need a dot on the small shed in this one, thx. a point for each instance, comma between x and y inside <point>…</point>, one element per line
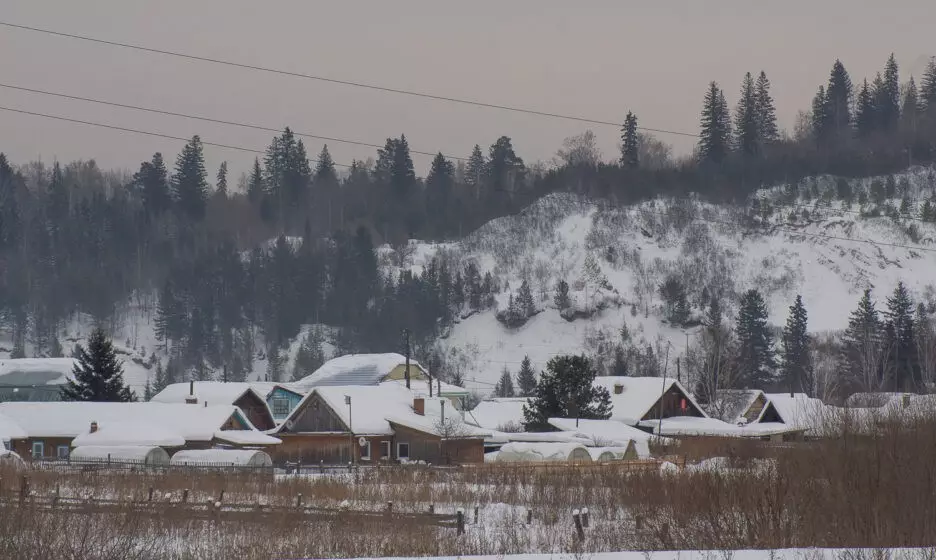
<point>146,455</point>
<point>222,458</point>
<point>543,452</point>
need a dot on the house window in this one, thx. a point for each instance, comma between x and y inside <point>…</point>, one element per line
<point>38,449</point>
<point>385,450</point>
<point>402,451</point>
<point>365,451</point>
<point>280,407</point>
<point>61,452</point>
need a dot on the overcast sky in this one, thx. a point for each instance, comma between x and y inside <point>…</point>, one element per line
<point>594,58</point>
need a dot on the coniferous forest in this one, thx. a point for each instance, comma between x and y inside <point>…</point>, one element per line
<point>232,267</point>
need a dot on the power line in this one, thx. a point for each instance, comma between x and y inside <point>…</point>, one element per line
<point>137,131</point>
<point>209,119</point>
<point>373,87</point>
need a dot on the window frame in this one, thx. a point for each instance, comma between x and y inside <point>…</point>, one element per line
<point>40,445</point>
<point>385,448</point>
<point>58,452</point>
<point>280,401</point>
<point>366,451</point>
<point>399,446</point>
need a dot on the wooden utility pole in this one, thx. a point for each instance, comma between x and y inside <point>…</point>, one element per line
<point>406,345</point>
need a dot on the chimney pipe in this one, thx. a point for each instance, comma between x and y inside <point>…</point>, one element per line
<point>94,426</point>
<point>618,388</point>
<point>419,406</point>
<point>191,387</point>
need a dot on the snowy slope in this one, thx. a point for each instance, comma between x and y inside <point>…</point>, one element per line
<point>713,249</point>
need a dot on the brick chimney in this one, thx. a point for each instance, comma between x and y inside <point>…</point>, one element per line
<point>191,398</point>
<point>618,388</point>
<point>94,426</point>
<point>419,406</point>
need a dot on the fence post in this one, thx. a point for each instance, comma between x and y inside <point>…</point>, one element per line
<point>24,488</point>
<point>322,466</point>
<point>476,515</point>
<point>150,499</point>
<point>431,509</point>
<point>389,507</point>
<point>299,500</point>
<point>55,499</point>
<point>585,517</point>
<point>577,521</point>
<point>529,516</point>
<point>221,496</point>
<point>460,521</point>
<point>185,496</point>
<point>638,522</point>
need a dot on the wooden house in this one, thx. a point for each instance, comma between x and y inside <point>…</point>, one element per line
<point>744,406</point>
<point>635,399</point>
<point>242,395</point>
<point>377,423</point>
<point>48,430</point>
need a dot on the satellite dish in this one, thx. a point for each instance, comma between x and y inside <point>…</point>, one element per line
<point>362,441</point>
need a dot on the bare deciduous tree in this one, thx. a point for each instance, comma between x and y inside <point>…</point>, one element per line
<point>581,149</point>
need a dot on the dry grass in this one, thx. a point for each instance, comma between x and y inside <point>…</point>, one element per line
<point>874,488</point>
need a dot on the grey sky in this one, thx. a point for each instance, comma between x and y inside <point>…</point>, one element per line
<point>594,58</point>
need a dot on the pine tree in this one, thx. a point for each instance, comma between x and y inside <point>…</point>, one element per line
<point>865,118</point>
<point>505,169</point>
<point>747,132</point>
<point>255,187</point>
<point>674,298</point>
<point>899,331</point>
<point>821,122</point>
<point>838,100</point>
<point>619,368</point>
<point>715,136</point>
<point>766,112</point>
<point>526,378</point>
<point>190,182</point>
<point>325,173</point>
<point>310,356</point>
<point>927,213</point>
<point>910,112</point>
<point>475,171</point>
<point>630,148</point>
<point>561,297</point>
<point>504,387</point>
<point>402,173</point>
<point>525,302</point>
<point>888,97</point>
<point>98,375</point>
<point>797,367</point>
<point>566,390</point>
<point>756,356</point>
<point>928,88</point>
<point>221,184</point>
<point>153,183</point>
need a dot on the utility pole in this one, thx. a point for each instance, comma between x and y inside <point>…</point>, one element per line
<point>663,391</point>
<point>407,349</point>
<point>347,400</point>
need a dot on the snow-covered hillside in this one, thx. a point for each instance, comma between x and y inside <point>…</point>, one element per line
<point>807,243</point>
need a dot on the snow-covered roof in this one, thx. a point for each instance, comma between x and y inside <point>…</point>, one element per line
<point>211,392</point>
<point>421,387</point>
<point>691,426</point>
<point>638,395</point>
<point>246,437</point>
<point>799,411</point>
<point>355,369</point>
<point>875,400</point>
<point>219,457</point>
<point>610,432</point>
<point>70,419</point>
<point>535,437</point>
<point>264,388</point>
<point>495,414</point>
<point>731,404</point>
<point>129,433</point>
<point>535,452</point>
<point>9,429</point>
<point>36,371</point>
<point>141,453</point>
<point>453,428</point>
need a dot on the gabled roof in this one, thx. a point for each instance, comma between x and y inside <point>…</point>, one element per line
<point>266,388</point>
<point>693,426</point>
<point>732,404</point>
<point>132,433</point>
<point>495,414</point>
<point>9,429</point>
<point>799,411</point>
<point>70,419</point>
<point>421,387</point>
<point>211,392</point>
<point>639,395</point>
<point>355,369</point>
<point>36,371</point>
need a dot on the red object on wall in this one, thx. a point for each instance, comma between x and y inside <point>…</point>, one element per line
<point>682,404</point>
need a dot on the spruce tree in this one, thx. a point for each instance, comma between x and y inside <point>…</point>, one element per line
<point>526,378</point>
<point>927,213</point>
<point>766,112</point>
<point>821,122</point>
<point>153,183</point>
<point>928,88</point>
<point>862,345</point>
<point>797,367</point>
<point>747,131</point>
<point>504,387</point>
<point>561,297</point>
<point>190,182</point>
<point>325,173</point>
<point>755,343</point>
<point>864,112</point>
<point>98,375</point>
<point>888,98</point>
<point>899,331</point>
<point>910,111</point>
<point>567,390</point>
<point>221,183</point>
<point>619,367</point>
<point>475,171</point>
<point>525,300</point>
<point>838,100</point>
<point>255,188</point>
<point>715,125</point>
<point>630,148</point>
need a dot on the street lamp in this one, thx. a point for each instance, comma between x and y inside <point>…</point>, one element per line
<point>347,401</point>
